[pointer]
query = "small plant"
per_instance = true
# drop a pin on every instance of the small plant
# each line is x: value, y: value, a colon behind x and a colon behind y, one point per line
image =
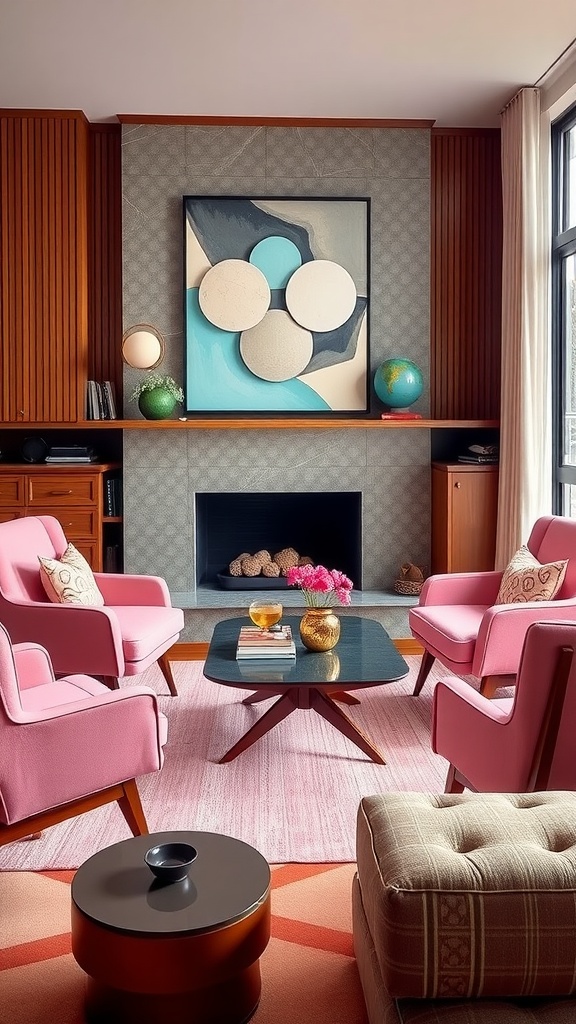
x: 158, y: 380
x: 320, y: 585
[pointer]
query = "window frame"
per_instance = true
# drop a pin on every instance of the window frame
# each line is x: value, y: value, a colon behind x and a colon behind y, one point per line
x: 563, y: 245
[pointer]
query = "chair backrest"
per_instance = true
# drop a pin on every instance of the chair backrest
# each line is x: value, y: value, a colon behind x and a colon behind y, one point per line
x: 541, y: 678
x: 554, y: 537
x: 9, y: 690
x: 21, y: 541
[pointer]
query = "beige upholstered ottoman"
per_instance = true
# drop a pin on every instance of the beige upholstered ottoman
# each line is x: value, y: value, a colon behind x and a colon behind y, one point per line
x: 464, y: 908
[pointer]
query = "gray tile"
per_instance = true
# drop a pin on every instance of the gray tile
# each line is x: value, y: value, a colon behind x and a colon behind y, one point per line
x: 401, y: 152
x: 231, y: 151
x: 153, y: 149
x: 319, y: 153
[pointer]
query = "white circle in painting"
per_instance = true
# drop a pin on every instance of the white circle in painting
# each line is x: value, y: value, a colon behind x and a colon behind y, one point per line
x: 276, y: 348
x: 234, y: 295
x: 321, y: 295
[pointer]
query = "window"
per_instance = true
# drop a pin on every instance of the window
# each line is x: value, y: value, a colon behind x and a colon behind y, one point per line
x: 564, y: 311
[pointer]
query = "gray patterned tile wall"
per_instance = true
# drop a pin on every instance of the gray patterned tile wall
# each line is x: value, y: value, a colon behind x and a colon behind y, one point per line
x: 163, y: 470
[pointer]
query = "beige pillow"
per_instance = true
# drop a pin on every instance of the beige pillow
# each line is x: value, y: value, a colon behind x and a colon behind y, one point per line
x: 70, y: 579
x: 526, y: 579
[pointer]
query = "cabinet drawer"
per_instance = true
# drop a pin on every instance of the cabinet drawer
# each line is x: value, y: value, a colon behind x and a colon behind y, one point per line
x: 6, y: 514
x: 12, y: 490
x: 76, y: 522
x: 63, y: 490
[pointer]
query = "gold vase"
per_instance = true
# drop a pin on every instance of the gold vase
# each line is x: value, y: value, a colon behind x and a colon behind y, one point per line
x: 319, y: 629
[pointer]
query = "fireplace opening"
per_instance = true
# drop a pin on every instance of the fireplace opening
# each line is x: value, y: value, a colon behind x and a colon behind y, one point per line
x: 326, y: 526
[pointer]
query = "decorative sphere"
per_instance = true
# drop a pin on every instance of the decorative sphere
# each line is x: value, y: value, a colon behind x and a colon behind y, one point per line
x: 156, y: 404
x: 398, y: 383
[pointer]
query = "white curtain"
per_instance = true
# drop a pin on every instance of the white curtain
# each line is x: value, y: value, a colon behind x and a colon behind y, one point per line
x: 525, y: 490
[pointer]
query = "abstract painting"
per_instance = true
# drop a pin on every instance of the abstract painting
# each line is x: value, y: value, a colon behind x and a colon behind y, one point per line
x: 276, y: 305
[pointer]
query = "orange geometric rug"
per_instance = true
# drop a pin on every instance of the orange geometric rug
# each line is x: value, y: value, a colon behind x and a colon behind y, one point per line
x: 309, y: 973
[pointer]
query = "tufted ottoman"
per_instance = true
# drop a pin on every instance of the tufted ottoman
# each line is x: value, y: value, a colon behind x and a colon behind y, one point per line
x: 464, y: 908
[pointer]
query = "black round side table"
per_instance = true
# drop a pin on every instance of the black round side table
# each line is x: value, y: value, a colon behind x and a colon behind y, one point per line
x: 184, y: 951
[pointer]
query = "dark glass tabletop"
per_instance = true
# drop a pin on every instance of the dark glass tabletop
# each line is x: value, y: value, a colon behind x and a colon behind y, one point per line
x: 364, y: 655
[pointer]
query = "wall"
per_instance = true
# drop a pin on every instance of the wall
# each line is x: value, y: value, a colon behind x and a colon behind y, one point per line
x: 162, y: 163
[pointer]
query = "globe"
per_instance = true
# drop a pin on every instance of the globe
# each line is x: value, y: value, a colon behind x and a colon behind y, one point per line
x: 398, y: 383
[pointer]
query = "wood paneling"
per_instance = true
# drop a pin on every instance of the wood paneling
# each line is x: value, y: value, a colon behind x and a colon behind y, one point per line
x: 105, y: 255
x: 275, y: 122
x: 466, y: 274
x: 43, y: 271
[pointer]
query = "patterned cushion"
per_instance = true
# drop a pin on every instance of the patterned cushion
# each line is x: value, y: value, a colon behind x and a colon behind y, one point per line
x: 70, y: 579
x: 526, y: 579
x: 470, y: 894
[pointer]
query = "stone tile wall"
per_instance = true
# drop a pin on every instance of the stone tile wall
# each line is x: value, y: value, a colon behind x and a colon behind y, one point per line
x: 163, y: 469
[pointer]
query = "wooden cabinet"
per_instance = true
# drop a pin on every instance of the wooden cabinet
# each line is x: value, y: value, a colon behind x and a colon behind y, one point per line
x: 464, y: 511
x: 75, y: 495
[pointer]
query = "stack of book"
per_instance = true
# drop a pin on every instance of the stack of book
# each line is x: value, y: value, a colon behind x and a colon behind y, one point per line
x: 265, y: 643
x: 480, y: 454
x: 71, y: 453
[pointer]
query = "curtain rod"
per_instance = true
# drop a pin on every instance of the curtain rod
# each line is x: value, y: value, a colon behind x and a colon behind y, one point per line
x: 555, y: 62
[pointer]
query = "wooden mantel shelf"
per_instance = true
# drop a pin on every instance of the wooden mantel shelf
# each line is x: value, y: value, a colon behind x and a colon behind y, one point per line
x: 253, y: 423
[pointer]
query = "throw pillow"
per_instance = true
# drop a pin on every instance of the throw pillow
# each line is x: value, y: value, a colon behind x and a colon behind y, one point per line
x: 69, y: 580
x: 527, y: 579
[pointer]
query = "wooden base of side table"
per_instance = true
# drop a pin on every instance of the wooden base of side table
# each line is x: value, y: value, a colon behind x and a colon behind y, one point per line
x: 233, y: 1001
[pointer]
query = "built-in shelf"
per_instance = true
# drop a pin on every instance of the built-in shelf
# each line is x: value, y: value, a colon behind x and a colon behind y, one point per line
x: 264, y: 423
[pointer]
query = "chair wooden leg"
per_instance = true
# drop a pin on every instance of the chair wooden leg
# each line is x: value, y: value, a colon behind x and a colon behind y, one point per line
x: 453, y: 782
x: 425, y: 666
x: 489, y: 684
x: 166, y: 671
x: 111, y: 682
x: 131, y: 807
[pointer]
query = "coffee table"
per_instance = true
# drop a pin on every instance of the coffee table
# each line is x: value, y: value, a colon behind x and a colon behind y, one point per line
x: 364, y: 656
x: 187, y: 951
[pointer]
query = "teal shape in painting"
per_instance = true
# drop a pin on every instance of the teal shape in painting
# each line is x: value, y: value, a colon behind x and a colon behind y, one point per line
x: 217, y: 379
x: 277, y: 258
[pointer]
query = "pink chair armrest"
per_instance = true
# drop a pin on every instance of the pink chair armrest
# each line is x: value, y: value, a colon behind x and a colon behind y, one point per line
x: 461, y: 588
x: 121, y: 588
x: 460, y: 713
x: 503, y: 630
x: 100, y: 741
x: 33, y: 665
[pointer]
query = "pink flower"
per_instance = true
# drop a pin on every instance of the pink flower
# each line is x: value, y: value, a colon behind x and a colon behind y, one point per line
x: 317, y: 582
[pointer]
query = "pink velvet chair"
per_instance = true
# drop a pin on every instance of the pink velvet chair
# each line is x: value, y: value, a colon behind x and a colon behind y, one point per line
x: 136, y: 627
x: 457, y: 622
x: 518, y: 744
x: 69, y: 745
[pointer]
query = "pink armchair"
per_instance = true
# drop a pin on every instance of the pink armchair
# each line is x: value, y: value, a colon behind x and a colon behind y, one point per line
x: 69, y: 745
x: 457, y: 622
x: 136, y: 627
x: 518, y: 744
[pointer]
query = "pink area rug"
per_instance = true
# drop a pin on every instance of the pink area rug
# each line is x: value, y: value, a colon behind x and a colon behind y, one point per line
x: 293, y: 795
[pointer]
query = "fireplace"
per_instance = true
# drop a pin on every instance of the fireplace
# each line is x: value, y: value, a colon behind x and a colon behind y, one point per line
x: 324, y: 525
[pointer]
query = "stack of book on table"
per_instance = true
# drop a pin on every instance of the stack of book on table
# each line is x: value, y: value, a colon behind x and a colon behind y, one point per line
x: 71, y: 453
x: 257, y: 643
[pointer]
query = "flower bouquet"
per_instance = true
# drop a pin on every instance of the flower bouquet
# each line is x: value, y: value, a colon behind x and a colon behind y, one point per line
x: 320, y: 585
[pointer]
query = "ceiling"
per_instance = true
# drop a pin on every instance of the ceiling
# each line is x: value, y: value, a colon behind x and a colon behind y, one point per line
x: 455, y: 62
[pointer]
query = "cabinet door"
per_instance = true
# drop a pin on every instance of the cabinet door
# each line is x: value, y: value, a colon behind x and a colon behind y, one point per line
x: 464, y: 510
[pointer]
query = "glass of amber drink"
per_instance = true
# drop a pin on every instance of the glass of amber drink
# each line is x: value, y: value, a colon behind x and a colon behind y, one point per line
x: 265, y: 613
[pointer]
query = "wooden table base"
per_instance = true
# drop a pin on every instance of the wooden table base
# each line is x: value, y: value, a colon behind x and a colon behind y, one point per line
x: 232, y: 1001
x: 307, y: 698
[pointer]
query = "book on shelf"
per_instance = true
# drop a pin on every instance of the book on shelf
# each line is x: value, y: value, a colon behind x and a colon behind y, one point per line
x: 265, y: 643
x: 100, y: 400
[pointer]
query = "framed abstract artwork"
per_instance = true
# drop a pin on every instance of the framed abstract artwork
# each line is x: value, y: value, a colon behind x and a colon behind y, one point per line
x: 276, y: 305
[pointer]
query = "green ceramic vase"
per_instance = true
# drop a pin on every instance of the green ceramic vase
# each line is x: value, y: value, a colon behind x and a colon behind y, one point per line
x: 156, y: 404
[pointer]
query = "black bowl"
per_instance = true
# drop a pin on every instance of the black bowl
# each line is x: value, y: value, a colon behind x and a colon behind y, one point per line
x: 170, y: 861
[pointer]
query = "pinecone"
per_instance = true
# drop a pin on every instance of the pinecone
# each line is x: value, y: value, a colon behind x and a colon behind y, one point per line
x: 235, y: 567
x: 250, y: 566
x: 263, y: 557
x: 305, y: 560
x: 271, y: 569
x: 286, y: 559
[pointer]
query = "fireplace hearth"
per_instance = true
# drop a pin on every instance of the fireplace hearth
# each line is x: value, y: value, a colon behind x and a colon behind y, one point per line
x: 324, y: 526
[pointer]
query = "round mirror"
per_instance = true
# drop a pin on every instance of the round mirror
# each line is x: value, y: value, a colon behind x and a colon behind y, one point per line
x: 142, y: 347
